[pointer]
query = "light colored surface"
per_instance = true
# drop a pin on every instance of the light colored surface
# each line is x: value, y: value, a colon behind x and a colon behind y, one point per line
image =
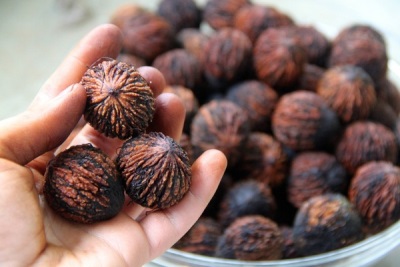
x: 36, y: 35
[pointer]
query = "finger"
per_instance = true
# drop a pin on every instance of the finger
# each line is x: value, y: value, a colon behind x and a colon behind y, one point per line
x: 103, y: 41
x: 169, y: 116
x: 155, y: 79
x: 90, y: 135
x: 32, y: 133
x: 164, y: 228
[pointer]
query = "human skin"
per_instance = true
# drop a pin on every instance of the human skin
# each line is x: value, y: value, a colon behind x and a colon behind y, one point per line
x: 30, y: 233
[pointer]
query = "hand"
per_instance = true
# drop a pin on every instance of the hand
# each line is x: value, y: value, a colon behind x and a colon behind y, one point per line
x: 30, y: 233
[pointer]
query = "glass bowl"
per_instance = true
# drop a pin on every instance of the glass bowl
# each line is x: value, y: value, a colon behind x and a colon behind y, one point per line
x: 364, y: 253
x: 329, y: 16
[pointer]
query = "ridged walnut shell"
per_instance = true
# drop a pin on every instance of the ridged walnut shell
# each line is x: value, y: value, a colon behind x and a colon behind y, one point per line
x: 251, y: 238
x: 365, y: 141
x: 324, y: 223
x: 223, y: 125
x: 375, y: 192
x: 349, y: 91
x: 303, y: 121
x: 120, y: 102
x: 83, y: 185
x: 155, y: 169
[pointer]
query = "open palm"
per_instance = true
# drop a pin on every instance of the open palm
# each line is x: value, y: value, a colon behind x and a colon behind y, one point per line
x: 30, y: 233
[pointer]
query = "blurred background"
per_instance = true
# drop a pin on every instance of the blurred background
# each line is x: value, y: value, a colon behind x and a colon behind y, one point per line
x: 36, y: 36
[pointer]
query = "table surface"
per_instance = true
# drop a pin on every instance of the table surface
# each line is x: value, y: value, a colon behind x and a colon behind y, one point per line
x: 37, y: 35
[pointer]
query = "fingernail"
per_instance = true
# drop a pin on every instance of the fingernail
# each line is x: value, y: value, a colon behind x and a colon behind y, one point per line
x: 68, y: 90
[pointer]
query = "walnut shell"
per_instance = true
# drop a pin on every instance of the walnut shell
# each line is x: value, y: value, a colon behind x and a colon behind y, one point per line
x: 364, y: 141
x: 324, y: 223
x: 349, y: 91
x: 223, y: 125
x: 375, y: 193
x: 202, y: 238
x: 155, y: 169
x: 361, y: 45
x: 303, y: 121
x: 83, y: 185
x: 278, y: 58
x: 120, y: 102
x: 251, y: 238
x: 145, y: 34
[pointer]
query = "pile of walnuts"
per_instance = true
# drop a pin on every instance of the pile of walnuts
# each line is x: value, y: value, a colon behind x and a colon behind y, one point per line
x: 309, y: 124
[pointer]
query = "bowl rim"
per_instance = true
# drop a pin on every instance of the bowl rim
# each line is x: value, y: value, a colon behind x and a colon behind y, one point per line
x: 368, y: 243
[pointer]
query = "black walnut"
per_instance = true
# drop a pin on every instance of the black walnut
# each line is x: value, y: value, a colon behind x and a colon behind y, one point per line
x: 375, y: 192
x: 120, y: 102
x: 252, y: 238
x: 82, y: 184
x: 155, y: 169
x: 325, y: 223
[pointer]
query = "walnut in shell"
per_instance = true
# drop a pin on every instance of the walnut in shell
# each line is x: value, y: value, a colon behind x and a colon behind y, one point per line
x: 120, y: 102
x: 155, y: 169
x: 83, y: 185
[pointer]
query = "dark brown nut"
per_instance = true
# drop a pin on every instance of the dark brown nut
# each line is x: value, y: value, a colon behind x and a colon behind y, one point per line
x: 223, y: 125
x: 249, y: 197
x: 363, y: 46
x: 396, y: 131
x: 251, y: 238
x: 194, y: 41
x: 120, y: 102
x: 186, y: 145
x: 180, y: 13
x: 131, y: 60
x: 155, y: 169
x: 212, y: 209
x: 145, y: 34
x: 388, y: 92
x: 313, y: 174
x: 315, y: 43
x: 179, y: 67
x: 310, y: 77
x: 289, y: 249
x: 278, y: 59
x: 303, y: 121
x: 82, y: 184
x: 349, y: 91
x: 365, y: 141
x: 383, y: 113
x: 124, y: 12
x: 325, y: 223
x: 253, y: 19
x: 202, y: 238
x: 227, y: 57
x: 189, y: 101
x: 263, y: 159
x: 219, y: 14
x: 375, y: 192
x: 258, y: 99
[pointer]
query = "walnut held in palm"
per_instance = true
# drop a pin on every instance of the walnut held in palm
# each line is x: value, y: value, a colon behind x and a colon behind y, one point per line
x: 82, y: 185
x: 120, y: 102
x: 155, y: 169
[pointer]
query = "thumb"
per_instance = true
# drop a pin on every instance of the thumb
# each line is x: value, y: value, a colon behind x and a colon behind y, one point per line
x: 43, y: 127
